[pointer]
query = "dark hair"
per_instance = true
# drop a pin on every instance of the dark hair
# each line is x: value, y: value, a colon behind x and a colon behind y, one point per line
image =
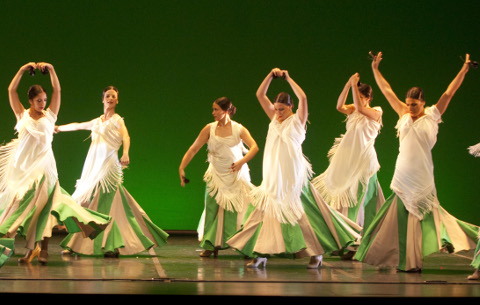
x: 35, y: 90
x: 416, y: 93
x: 365, y: 90
x: 284, y: 98
x: 226, y: 105
x: 109, y: 88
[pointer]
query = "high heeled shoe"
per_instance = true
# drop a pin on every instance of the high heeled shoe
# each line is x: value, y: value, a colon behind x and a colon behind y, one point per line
x: 31, y: 254
x: 257, y: 262
x: 208, y: 253
x: 315, y: 262
x: 43, y: 257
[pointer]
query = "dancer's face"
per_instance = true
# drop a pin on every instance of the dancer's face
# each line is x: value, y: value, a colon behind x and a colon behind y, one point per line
x: 110, y: 99
x: 39, y: 102
x: 416, y: 107
x: 365, y: 100
x: 217, y: 112
x: 282, y: 111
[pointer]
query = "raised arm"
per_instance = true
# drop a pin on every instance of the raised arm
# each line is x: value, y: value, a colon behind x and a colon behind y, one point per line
x: 342, y: 98
x: 446, y: 97
x: 262, y: 93
x: 192, y: 151
x: 56, y: 94
x: 357, y: 101
x: 15, y: 103
x: 125, y: 159
x: 302, y: 110
x: 253, y: 149
x: 398, y: 106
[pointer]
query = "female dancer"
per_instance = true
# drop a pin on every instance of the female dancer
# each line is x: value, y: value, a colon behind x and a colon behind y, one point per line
x: 350, y: 183
x: 227, y: 176
x: 31, y: 194
x: 101, y: 189
x: 289, y: 218
x: 475, y: 151
x: 411, y: 224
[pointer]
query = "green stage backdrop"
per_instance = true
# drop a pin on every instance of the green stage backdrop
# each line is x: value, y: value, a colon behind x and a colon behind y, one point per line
x: 171, y: 59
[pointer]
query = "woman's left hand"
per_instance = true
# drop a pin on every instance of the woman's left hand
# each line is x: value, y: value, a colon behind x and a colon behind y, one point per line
x: 236, y: 167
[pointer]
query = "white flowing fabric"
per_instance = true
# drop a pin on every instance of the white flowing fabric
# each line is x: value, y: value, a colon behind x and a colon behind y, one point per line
x: 101, y: 165
x: 353, y: 159
x: 285, y: 171
x: 27, y: 159
x: 230, y: 190
x: 413, y: 180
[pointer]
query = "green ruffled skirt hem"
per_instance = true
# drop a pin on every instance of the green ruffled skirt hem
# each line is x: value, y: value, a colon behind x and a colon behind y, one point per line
x: 41, y: 209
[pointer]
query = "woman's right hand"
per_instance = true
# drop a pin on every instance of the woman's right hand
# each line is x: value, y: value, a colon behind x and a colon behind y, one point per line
x: 376, y: 60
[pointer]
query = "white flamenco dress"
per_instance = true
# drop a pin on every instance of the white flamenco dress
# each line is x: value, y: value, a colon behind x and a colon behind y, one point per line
x: 32, y: 201
x: 411, y: 224
x: 227, y: 194
x: 350, y: 184
x: 101, y: 189
x: 290, y: 218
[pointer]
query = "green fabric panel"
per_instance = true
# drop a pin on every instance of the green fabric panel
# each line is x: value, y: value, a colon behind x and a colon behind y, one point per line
x: 293, y: 238
x: 429, y: 235
x: 370, y: 204
x: 114, y: 241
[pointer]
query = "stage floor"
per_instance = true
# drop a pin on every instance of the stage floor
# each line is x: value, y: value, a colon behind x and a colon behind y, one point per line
x: 177, y: 270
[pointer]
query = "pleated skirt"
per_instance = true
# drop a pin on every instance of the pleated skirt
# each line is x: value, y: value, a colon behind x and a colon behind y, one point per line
x: 320, y: 230
x: 41, y: 209
x: 398, y: 239
x: 130, y: 232
x: 217, y: 225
